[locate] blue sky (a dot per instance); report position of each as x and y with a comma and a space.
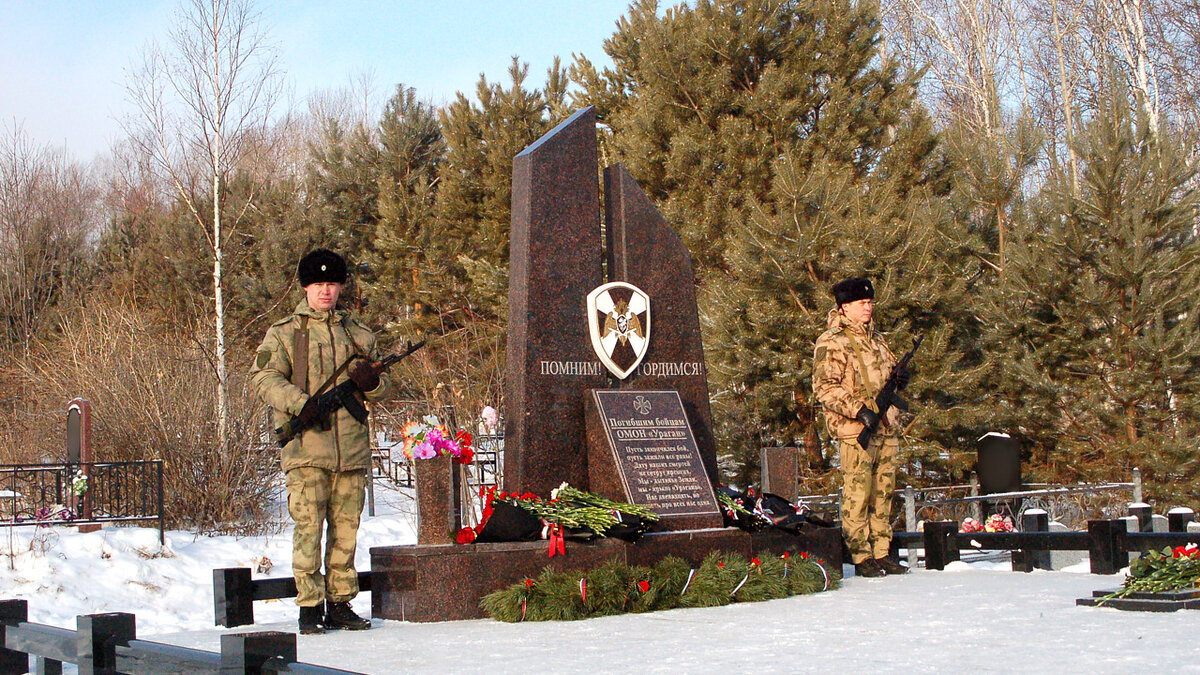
63, 62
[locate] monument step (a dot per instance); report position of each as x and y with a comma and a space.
446, 582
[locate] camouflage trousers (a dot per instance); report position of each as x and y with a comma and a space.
869, 479
334, 501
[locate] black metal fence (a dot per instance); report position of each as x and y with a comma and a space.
1108, 542
107, 643
234, 593
116, 492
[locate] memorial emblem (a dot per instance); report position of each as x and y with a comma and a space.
619, 325
641, 405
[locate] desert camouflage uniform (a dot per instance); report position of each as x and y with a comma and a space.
850, 364
325, 467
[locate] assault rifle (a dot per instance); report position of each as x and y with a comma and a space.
887, 397
341, 396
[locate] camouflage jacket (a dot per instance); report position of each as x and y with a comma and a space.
332, 338
850, 364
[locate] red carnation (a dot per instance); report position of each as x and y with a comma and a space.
465, 536
467, 455
755, 562
721, 565
528, 495
786, 555
644, 586
528, 582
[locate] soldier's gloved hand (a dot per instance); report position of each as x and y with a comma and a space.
868, 418
903, 377
364, 375
309, 413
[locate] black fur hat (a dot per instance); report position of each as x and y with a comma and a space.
853, 289
321, 265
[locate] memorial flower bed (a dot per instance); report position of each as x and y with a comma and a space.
1171, 569
613, 588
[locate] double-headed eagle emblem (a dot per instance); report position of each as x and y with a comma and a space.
619, 325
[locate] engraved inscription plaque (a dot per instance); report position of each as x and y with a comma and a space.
641, 449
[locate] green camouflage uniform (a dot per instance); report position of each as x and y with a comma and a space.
325, 467
850, 364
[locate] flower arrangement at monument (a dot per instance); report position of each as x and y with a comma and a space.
581, 513
429, 438
996, 523
613, 588
1171, 569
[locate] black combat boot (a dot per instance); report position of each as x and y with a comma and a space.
312, 620
868, 568
339, 615
890, 566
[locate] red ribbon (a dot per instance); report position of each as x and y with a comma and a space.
557, 542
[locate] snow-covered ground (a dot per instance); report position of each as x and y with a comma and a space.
977, 617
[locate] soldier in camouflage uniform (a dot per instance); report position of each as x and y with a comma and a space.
850, 365
326, 465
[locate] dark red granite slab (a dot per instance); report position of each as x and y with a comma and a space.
446, 583
691, 545
779, 471
644, 251
556, 258
641, 450
824, 543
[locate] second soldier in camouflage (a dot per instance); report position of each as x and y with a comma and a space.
850, 365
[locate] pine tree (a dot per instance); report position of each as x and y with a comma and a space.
408, 155
1100, 314
468, 266
789, 157
341, 184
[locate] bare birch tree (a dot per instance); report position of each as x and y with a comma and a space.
1124, 21
204, 102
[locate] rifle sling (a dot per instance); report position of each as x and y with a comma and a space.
862, 366
300, 355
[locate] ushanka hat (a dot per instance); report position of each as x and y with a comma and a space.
321, 266
853, 289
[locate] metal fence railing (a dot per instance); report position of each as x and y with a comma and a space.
1071, 505
116, 492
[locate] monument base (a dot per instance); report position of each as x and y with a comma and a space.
446, 582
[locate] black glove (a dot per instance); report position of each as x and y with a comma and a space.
365, 377
309, 413
903, 377
868, 418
